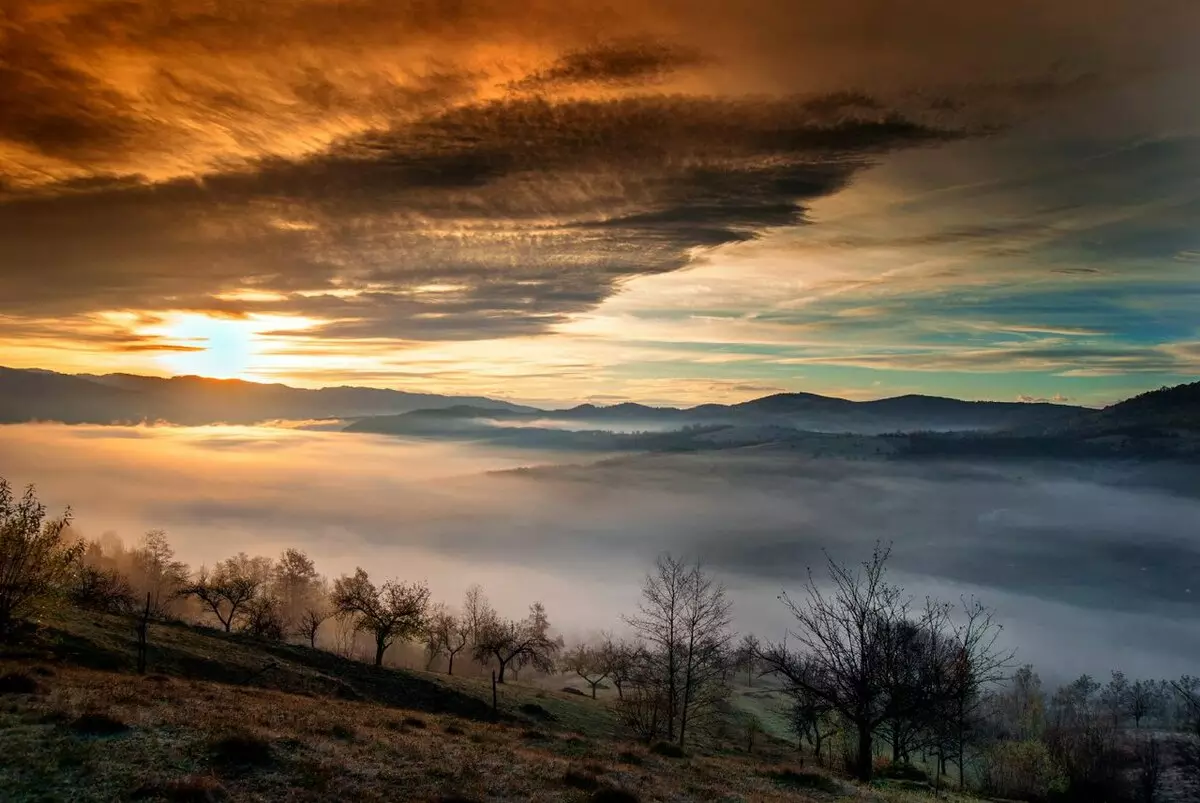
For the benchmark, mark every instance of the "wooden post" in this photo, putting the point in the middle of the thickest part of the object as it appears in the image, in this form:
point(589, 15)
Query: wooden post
point(143, 627)
point(495, 700)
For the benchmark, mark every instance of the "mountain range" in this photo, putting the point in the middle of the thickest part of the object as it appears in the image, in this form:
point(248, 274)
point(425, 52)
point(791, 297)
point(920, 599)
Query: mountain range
point(35, 395)
point(1166, 419)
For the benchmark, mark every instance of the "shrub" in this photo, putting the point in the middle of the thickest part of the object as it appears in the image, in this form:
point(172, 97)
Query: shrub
point(453, 730)
point(1021, 770)
point(97, 724)
point(341, 731)
point(105, 590)
point(610, 795)
point(581, 780)
point(18, 683)
point(629, 757)
point(414, 722)
point(241, 751)
point(36, 560)
point(805, 780)
point(900, 771)
point(536, 711)
point(668, 749)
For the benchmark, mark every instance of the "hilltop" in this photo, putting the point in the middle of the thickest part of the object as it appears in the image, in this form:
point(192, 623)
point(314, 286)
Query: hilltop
point(225, 717)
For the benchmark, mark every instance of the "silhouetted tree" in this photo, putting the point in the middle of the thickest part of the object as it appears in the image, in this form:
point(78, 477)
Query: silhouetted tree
point(391, 612)
point(842, 633)
point(295, 584)
point(589, 662)
point(746, 656)
point(447, 635)
point(527, 642)
point(230, 585)
point(156, 571)
point(683, 620)
point(311, 619)
point(36, 557)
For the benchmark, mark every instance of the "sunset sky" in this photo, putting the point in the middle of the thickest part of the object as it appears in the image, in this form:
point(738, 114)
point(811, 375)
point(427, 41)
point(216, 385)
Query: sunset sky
point(568, 200)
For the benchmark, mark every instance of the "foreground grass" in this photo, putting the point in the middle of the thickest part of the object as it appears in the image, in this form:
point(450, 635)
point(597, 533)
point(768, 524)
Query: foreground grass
point(222, 719)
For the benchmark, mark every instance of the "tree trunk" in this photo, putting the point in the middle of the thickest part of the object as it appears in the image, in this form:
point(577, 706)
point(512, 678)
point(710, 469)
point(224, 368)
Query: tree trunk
point(380, 649)
point(450, 665)
point(500, 676)
point(594, 685)
point(865, 756)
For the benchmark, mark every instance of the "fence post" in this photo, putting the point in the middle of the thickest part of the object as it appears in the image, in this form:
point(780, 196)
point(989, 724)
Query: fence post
point(143, 627)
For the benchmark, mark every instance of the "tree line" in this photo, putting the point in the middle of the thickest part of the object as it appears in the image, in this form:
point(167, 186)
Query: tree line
point(872, 678)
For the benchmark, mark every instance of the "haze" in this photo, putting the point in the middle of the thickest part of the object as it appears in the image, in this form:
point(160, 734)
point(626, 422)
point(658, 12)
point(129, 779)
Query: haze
point(1076, 560)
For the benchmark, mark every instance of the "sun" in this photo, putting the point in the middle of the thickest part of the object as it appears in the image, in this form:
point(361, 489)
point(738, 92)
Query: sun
point(221, 347)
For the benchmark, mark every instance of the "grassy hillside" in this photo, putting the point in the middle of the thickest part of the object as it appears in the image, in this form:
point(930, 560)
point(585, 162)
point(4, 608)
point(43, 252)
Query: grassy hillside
point(220, 717)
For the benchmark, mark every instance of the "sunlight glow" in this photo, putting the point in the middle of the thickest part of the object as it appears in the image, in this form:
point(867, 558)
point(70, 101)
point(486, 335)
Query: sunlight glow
point(223, 347)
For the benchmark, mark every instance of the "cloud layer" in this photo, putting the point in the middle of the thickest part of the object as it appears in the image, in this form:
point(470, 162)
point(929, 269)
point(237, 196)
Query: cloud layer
point(395, 174)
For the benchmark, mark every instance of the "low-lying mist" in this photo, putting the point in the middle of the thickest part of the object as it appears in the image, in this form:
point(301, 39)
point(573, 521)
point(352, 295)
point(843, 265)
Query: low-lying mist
point(1090, 567)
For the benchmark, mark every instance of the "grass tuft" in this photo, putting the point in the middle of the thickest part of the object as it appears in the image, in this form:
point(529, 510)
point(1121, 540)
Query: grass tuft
point(413, 722)
point(578, 779)
point(97, 724)
point(189, 789)
point(630, 757)
point(453, 730)
point(611, 795)
point(805, 780)
point(241, 752)
point(343, 731)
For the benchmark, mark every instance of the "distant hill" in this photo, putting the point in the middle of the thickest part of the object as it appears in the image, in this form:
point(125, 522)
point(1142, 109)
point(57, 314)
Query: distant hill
point(779, 413)
point(32, 395)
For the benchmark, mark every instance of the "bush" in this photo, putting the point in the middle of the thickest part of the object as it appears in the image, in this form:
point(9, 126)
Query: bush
point(239, 752)
point(96, 724)
point(805, 780)
point(36, 561)
point(581, 780)
point(668, 749)
point(105, 590)
point(413, 722)
point(18, 683)
point(1022, 770)
point(900, 771)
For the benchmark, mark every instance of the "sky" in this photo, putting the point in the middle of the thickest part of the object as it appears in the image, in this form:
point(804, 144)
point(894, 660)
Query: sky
point(674, 201)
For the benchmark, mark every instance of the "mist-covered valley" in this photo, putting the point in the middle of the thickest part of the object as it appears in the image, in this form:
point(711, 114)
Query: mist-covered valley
point(1090, 565)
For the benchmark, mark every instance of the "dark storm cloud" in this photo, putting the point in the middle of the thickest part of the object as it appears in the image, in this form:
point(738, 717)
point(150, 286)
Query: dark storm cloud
point(529, 209)
point(622, 63)
point(532, 154)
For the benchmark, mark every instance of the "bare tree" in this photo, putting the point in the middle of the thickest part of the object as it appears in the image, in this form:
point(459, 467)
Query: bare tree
point(296, 584)
point(746, 655)
point(659, 623)
point(156, 571)
point(36, 556)
point(477, 611)
point(311, 619)
point(683, 620)
point(1144, 699)
point(1115, 697)
point(977, 662)
point(447, 635)
point(706, 617)
point(390, 612)
point(621, 658)
point(839, 632)
point(591, 663)
point(511, 642)
point(231, 584)
point(262, 617)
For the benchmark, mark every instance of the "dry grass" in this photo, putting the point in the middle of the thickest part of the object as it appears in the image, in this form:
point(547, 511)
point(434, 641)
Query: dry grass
point(197, 740)
point(206, 727)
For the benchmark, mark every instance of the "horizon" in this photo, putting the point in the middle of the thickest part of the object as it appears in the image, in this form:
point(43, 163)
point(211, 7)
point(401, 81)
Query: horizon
point(554, 404)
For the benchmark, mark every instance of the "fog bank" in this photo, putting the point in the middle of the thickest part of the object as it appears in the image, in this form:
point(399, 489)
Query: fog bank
point(1090, 567)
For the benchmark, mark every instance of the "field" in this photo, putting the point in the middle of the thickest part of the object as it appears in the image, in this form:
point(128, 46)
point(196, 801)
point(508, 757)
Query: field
point(220, 717)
